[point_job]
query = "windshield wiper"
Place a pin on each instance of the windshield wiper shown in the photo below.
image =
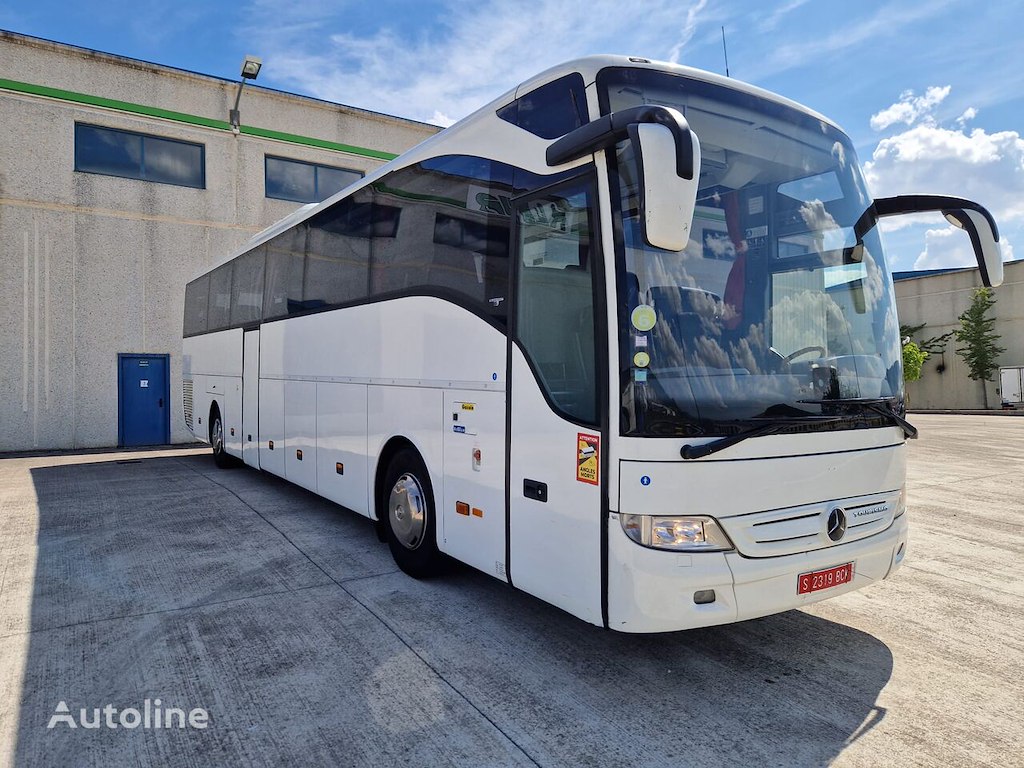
(768, 427)
(879, 405)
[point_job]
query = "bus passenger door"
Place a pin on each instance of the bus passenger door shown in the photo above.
(250, 398)
(555, 443)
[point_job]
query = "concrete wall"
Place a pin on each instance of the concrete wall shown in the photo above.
(92, 266)
(938, 300)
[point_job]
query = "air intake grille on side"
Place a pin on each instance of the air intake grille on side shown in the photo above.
(186, 401)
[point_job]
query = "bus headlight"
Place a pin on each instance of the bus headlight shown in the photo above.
(682, 534)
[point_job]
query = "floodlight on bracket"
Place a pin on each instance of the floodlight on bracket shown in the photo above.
(250, 71)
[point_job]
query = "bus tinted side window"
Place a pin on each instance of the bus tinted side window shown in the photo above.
(197, 295)
(247, 288)
(220, 298)
(282, 294)
(338, 253)
(453, 234)
(552, 110)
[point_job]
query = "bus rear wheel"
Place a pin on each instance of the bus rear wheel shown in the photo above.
(409, 519)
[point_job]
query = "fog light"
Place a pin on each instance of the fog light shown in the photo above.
(704, 596)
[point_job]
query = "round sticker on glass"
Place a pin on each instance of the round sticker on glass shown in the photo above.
(644, 317)
(641, 359)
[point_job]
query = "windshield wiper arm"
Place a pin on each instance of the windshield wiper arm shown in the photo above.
(879, 405)
(767, 428)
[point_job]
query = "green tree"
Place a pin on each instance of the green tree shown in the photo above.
(977, 334)
(935, 345)
(913, 359)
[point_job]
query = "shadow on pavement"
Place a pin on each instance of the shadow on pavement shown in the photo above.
(284, 618)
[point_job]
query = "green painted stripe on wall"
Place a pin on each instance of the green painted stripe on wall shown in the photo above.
(181, 117)
(309, 141)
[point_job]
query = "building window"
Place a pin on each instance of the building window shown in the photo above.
(139, 156)
(305, 182)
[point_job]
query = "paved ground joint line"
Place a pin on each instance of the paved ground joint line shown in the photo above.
(159, 611)
(911, 566)
(377, 616)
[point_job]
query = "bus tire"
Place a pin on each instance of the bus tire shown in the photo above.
(408, 515)
(221, 457)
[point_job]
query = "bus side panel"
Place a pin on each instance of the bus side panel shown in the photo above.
(272, 426)
(474, 469)
(342, 467)
(250, 398)
(412, 413)
(215, 361)
(231, 408)
(300, 433)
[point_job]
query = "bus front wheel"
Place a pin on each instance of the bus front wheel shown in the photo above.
(410, 524)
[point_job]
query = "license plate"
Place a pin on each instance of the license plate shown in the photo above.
(825, 579)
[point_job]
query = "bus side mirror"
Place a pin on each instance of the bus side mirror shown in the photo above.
(964, 214)
(668, 159)
(984, 239)
(667, 196)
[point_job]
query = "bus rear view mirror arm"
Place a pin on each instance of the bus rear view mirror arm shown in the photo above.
(964, 214)
(668, 159)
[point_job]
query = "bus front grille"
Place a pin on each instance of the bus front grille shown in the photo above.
(803, 529)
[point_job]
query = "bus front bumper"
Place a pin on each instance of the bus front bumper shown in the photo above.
(653, 590)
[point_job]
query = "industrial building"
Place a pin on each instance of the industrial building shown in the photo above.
(119, 180)
(938, 298)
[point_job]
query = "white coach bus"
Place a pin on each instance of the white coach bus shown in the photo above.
(625, 338)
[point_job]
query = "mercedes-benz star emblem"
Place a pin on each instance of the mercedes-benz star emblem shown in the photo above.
(836, 526)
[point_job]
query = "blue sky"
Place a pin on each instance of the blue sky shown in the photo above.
(932, 93)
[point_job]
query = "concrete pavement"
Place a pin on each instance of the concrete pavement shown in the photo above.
(129, 577)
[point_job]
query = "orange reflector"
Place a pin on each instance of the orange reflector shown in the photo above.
(478, 512)
(339, 468)
(462, 508)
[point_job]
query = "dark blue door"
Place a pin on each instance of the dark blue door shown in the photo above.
(143, 392)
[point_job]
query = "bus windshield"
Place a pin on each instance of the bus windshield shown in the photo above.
(780, 304)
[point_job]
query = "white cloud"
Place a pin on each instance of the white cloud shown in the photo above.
(931, 158)
(950, 247)
(689, 27)
(981, 166)
(769, 24)
(910, 108)
(969, 114)
(947, 247)
(468, 56)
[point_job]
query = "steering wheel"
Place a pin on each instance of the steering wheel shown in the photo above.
(803, 351)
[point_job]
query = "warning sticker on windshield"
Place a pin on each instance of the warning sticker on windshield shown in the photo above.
(588, 458)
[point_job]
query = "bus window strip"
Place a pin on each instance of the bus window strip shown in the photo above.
(556, 180)
(444, 294)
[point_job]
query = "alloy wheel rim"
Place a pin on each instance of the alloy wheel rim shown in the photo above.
(407, 511)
